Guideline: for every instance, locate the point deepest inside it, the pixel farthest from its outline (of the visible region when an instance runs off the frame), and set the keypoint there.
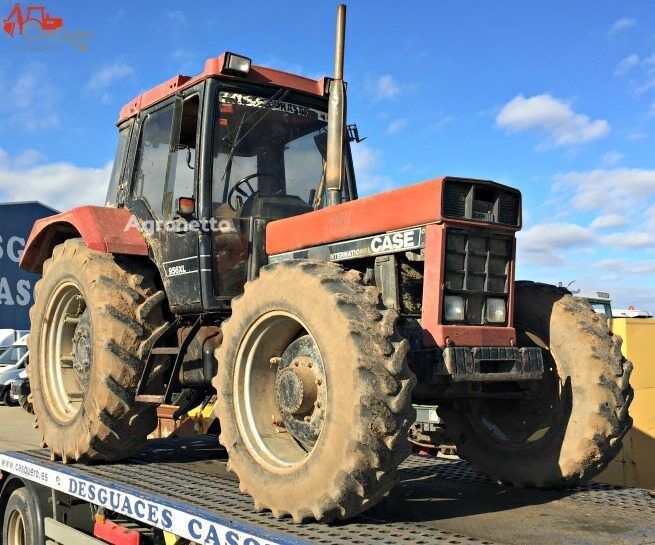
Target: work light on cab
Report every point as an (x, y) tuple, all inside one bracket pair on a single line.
[(236, 64)]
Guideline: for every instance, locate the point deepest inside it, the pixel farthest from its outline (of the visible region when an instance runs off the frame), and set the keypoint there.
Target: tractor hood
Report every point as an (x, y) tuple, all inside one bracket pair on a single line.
[(410, 206)]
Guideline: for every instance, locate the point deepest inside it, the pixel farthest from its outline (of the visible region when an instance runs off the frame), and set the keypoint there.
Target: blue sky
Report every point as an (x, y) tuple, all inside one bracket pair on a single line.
[(554, 98)]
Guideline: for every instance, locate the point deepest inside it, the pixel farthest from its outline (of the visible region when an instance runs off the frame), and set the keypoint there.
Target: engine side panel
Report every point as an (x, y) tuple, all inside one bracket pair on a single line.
[(411, 206)]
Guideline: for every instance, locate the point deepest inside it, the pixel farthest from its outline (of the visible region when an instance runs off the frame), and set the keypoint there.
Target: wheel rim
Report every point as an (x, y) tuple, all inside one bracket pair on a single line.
[(16, 529), (66, 352), (280, 391)]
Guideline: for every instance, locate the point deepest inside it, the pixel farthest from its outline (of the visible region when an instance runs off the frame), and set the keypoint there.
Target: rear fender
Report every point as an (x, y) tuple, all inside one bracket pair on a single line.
[(104, 229)]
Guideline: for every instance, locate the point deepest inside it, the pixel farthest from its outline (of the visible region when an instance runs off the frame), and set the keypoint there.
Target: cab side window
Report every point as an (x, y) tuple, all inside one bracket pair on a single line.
[(152, 158), (119, 164), (181, 181)]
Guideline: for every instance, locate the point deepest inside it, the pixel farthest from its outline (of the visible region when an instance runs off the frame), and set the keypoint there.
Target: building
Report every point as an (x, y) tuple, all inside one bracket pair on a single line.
[(16, 285)]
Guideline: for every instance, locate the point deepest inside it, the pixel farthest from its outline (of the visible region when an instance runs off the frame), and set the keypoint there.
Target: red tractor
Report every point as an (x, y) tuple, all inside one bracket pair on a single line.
[(234, 258)]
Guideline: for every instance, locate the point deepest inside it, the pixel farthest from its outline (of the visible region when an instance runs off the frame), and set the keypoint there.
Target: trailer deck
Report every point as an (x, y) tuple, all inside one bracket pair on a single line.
[(440, 501)]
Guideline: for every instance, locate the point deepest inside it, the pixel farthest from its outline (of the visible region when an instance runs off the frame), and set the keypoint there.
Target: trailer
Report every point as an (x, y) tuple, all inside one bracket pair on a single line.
[(155, 498)]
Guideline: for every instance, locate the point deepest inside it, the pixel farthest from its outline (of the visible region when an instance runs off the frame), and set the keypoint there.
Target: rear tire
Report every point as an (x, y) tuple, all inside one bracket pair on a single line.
[(364, 405), (19, 526), (94, 317), (573, 424)]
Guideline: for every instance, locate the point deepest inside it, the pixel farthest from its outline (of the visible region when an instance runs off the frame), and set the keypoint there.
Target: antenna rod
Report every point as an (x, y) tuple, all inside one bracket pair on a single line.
[(336, 116)]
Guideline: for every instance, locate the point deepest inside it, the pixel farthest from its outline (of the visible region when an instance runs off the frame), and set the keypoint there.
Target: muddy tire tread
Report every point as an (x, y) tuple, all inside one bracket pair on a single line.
[(380, 425), (608, 419), (114, 424)]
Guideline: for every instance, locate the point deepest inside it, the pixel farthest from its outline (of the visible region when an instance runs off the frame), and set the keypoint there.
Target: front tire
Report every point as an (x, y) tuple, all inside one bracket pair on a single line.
[(572, 424), (93, 319), (314, 392)]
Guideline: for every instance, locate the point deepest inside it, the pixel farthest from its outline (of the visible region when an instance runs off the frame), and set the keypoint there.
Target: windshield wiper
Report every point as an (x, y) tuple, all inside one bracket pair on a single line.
[(280, 94)]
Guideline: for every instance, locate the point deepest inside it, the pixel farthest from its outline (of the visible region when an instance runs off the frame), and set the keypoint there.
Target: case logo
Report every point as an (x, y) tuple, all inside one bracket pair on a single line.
[(394, 241)]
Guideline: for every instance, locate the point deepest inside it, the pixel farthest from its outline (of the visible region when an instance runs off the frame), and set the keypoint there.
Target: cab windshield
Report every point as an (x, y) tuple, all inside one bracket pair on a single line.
[(269, 156), (265, 147)]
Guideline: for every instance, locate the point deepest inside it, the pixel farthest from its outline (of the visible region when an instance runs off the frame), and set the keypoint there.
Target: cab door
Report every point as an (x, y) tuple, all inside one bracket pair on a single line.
[(165, 171)]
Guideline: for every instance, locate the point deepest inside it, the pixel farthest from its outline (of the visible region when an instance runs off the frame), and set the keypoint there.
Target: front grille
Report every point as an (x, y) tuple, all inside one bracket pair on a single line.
[(477, 267)]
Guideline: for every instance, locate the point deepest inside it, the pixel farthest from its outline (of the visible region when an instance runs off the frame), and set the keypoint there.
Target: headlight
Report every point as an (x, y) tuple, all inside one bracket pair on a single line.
[(496, 311), (453, 308)]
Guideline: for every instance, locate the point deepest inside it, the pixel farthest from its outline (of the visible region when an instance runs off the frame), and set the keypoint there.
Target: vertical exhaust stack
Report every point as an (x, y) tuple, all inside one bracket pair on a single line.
[(336, 117)]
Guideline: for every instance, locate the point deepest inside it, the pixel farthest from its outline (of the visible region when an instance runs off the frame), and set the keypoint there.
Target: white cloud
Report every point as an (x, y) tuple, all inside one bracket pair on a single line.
[(176, 17), (185, 57), (627, 266), (367, 163), (552, 117), (637, 135), (397, 125), (443, 122), (612, 157), (619, 189), (626, 64), (385, 87), (544, 243), (622, 24), (629, 239), (641, 70), (106, 76), (609, 221), (32, 102), (60, 185), (642, 298)]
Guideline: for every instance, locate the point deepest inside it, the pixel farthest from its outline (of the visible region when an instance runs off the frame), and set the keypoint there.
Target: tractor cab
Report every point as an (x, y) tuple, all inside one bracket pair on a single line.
[(205, 163)]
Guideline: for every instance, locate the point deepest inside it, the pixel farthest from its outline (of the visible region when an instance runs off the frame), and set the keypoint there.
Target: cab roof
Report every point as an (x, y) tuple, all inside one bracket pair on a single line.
[(214, 67)]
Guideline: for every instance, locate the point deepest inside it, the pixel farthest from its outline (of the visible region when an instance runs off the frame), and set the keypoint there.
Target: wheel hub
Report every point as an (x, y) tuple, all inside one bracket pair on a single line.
[(297, 390), (82, 349), (301, 391)]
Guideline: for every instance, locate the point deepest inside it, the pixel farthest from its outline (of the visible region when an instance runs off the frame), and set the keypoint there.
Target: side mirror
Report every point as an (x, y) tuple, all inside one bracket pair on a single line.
[(186, 206)]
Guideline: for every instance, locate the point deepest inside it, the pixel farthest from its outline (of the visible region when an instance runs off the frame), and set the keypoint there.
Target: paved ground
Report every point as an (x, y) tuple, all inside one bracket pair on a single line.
[(16, 429)]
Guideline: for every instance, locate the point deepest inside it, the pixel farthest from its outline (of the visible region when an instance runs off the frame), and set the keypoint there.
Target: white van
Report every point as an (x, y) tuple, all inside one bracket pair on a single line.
[(8, 337), (13, 353)]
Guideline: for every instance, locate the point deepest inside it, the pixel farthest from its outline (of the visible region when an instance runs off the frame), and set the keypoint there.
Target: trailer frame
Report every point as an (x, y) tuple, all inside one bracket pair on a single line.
[(199, 501)]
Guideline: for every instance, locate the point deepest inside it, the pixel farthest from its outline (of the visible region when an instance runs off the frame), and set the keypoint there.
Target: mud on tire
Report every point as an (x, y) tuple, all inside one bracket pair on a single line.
[(363, 437), (572, 425), (122, 310)]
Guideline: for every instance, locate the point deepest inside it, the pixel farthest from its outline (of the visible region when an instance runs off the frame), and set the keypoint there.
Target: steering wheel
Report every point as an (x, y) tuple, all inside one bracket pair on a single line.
[(248, 191)]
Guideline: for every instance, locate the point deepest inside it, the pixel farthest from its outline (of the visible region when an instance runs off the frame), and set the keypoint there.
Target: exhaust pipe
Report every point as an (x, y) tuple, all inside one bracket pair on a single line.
[(336, 117)]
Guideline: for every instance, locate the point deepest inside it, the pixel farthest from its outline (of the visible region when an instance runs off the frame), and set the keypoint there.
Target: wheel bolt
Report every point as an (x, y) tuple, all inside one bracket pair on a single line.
[(308, 418), (317, 404), (275, 360), (318, 382)]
